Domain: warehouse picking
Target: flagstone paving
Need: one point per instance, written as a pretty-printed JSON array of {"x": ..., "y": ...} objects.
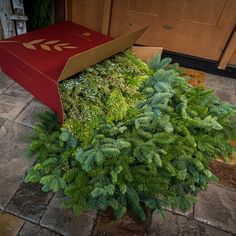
[
  {"x": 13, "y": 163},
  {"x": 29, "y": 202},
  {"x": 217, "y": 207},
  {"x": 30, "y": 229},
  {"x": 9, "y": 225},
  {"x": 65, "y": 221},
  {"x": 27, "y": 211}
]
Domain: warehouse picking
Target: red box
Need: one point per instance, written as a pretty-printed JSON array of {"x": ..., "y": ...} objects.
[{"x": 40, "y": 59}]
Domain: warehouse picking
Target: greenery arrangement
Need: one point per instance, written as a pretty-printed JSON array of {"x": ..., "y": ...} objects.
[
  {"x": 134, "y": 136},
  {"x": 106, "y": 92}
]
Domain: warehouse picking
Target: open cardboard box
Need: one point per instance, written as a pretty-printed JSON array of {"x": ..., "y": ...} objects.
[{"x": 39, "y": 60}]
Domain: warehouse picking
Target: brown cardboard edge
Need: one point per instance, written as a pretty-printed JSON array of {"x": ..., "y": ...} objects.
[
  {"x": 145, "y": 53},
  {"x": 92, "y": 56}
]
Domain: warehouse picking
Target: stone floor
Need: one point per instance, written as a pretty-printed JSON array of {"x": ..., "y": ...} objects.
[{"x": 26, "y": 211}]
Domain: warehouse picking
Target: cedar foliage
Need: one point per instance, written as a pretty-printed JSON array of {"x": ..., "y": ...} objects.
[
  {"x": 157, "y": 157},
  {"x": 107, "y": 91}
]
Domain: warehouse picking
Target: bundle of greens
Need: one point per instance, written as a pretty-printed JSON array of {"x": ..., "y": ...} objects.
[
  {"x": 106, "y": 92},
  {"x": 153, "y": 137}
]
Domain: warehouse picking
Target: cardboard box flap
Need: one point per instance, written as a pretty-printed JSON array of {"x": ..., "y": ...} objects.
[
  {"x": 92, "y": 56},
  {"x": 145, "y": 53}
]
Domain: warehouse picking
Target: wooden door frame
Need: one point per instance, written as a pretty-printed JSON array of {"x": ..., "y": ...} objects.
[
  {"x": 106, "y": 19},
  {"x": 106, "y": 15},
  {"x": 230, "y": 48},
  {"x": 68, "y": 10}
]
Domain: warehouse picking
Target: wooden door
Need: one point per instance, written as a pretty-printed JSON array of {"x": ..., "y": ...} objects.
[
  {"x": 88, "y": 13},
  {"x": 198, "y": 28}
]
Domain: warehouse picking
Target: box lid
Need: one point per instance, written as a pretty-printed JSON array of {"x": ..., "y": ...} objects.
[
  {"x": 39, "y": 59},
  {"x": 48, "y": 49},
  {"x": 64, "y": 49}
]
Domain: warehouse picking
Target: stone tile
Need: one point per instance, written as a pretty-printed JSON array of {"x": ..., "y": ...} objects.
[
  {"x": 9, "y": 225},
  {"x": 226, "y": 95},
  {"x": 65, "y": 221},
  {"x": 15, "y": 90},
  {"x": 179, "y": 212},
  {"x": 217, "y": 207},
  {"x": 181, "y": 226},
  {"x": 129, "y": 224},
  {"x": 11, "y": 106},
  {"x": 5, "y": 82},
  {"x": 2, "y": 121},
  {"x": 220, "y": 82},
  {"x": 13, "y": 164},
  {"x": 30, "y": 229},
  {"x": 28, "y": 115},
  {"x": 29, "y": 202}
]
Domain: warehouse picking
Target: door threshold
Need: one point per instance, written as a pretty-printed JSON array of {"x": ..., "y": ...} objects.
[{"x": 208, "y": 66}]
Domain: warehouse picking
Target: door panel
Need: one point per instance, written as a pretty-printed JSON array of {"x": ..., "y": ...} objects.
[
  {"x": 199, "y": 28},
  {"x": 88, "y": 13},
  {"x": 203, "y": 12}
]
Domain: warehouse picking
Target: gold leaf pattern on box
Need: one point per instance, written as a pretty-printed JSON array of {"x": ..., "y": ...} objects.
[
  {"x": 44, "y": 45},
  {"x": 29, "y": 46}
]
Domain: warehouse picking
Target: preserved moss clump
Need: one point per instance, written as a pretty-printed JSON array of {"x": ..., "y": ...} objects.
[{"x": 153, "y": 139}]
